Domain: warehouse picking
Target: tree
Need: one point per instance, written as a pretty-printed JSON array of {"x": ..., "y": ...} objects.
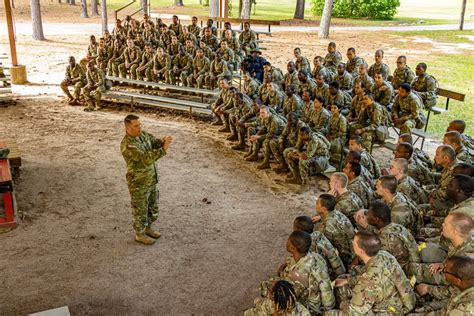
[
  {"x": 178, "y": 3},
  {"x": 214, "y": 8},
  {"x": 299, "y": 10},
  {"x": 94, "y": 9},
  {"x": 103, "y": 13},
  {"x": 245, "y": 12},
  {"x": 84, "y": 9},
  {"x": 463, "y": 12},
  {"x": 71, "y": 2},
  {"x": 144, "y": 5},
  {"x": 326, "y": 19},
  {"x": 36, "y": 20}
]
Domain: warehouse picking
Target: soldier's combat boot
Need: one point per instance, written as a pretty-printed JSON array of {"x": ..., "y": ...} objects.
[
  {"x": 224, "y": 129},
  {"x": 144, "y": 239},
  {"x": 69, "y": 96},
  {"x": 218, "y": 121},
  {"x": 89, "y": 107},
  {"x": 152, "y": 233},
  {"x": 252, "y": 157},
  {"x": 239, "y": 146},
  {"x": 97, "y": 105},
  {"x": 233, "y": 136},
  {"x": 295, "y": 178},
  {"x": 248, "y": 153},
  {"x": 73, "y": 101},
  {"x": 280, "y": 168},
  {"x": 264, "y": 165}
]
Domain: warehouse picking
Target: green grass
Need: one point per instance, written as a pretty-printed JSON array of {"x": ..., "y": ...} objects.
[{"x": 441, "y": 36}]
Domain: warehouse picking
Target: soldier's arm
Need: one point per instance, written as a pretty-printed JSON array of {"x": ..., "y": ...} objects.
[
  {"x": 130, "y": 152},
  {"x": 320, "y": 278},
  {"x": 363, "y": 296},
  {"x": 138, "y": 58},
  {"x": 330, "y": 252},
  {"x": 404, "y": 288}
]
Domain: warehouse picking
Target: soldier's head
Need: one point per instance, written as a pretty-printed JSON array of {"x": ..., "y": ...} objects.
[
  {"x": 199, "y": 53},
  {"x": 189, "y": 43},
  {"x": 271, "y": 86},
  {"x": 160, "y": 51},
  {"x": 366, "y": 245},
  {"x": 246, "y": 26},
  {"x": 224, "y": 45},
  {"x": 355, "y": 143},
  {"x": 458, "y": 271},
  {"x": 174, "y": 40},
  {"x": 464, "y": 168},
  {"x": 297, "y": 53},
  {"x": 290, "y": 90},
  {"x": 405, "y": 138},
  {"x": 453, "y": 139},
  {"x": 224, "y": 83},
  {"x": 305, "y": 132},
  {"x": 175, "y": 19},
  {"x": 445, "y": 154},
  {"x": 207, "y": 32},
  {"x": 128, "y": 18},
  {"x": 291, "y": 67},
  {"x": 118, "y": 23},
  {"x": 386, "y": 186},
  {"x": 264, "y": 112},
  {"x": 209, "y": 23},
  {"x": 401, "y": 62},
  {"x": 227, "y": 26},
  {"x": 307, "y": 95},
  {"x": 246, "y": 76},
  {"x": 403, "y": 150},
  {"x": 457, "y": 227},
  {"x": 351, "y": 53},
  {"x": 333, "y": 87},
  {"x": 379, "y": 214},
  {"x": 336, "y": 108},
  {"x": 194, "y": 20},
  {"x": 398, "y": 168},
  {"x": 302, "y": 76},
  {"x": 363, "y": 69},
  {"x": 91, "y": 65},
  {"x": 456, "y": 125},
  {"x": 368, "y": 100},
  {"x": 164, "y": 28},
  {"x": 331, "y": 47},
  {"x": 420, "y": 69},
  {"x": 318, "y": 61},
  {"x": 72, "y": 61},
  {"x": 267, "y": 66},
  {"x": 130, "y": 43},
  {"x": 319, "y": 102},
  {"x": 319, "y": 79},
  {"x": 106, "y": 34},
  {"x": 325, "y": 204},
  {"x": 378, "y": 56},
  {"x": 378, "y": 78},
  {"x": 341, "y": 67},
  {"x": 283, "y": 296},
  {"x": 132, "y": 125},
  {"x": 219, "y": 56},
  {"x": 359, "y": 88},
  {"x": 338, "y": 182},
  {"x": 353, "y": 156},
  {"x": 352, "y": 170},
  {"x": 145, "y": 17},
  {"x": 256, "y": 104},
  {"x": 460, "y": 188},
  {"x": 92, "y": 39},
  {"x": 404, "y": 90},
  {"x": 292, "y": 118},
  {"x": 303, "y": 223},
  {"x": 299, "y": 242},
  {"x": 148, "y": 47},
  {"x": 202, "y": 44}
]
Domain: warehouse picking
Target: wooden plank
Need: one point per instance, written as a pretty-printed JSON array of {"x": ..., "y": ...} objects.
[
  {"x": 240, "y": 21},
  {"x": 5, "y": 90},
  {"x": 451, "y": 94},
  {"x": 15, "y": 154}
]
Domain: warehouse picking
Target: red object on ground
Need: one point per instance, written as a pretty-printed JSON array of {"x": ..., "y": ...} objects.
[{"x": 7, "y": 198}]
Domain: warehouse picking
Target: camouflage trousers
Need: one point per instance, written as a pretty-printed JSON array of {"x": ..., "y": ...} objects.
[
  {"x": 132, "y": 70},
  {"x": 144, "y": 203},
  {"x": 406, "y": 126},
  {"x": 305, "y": 167},
  {"x": 112, "y": 68},
  {"x": 196, "y": 82},
  {"x": 77, "y": 88},
  {"x": 146, "y": 72},
  {"x": 277, "y": 152},
  {"x": 183, "y": 76},
  {"x": 336, "y": 151}
]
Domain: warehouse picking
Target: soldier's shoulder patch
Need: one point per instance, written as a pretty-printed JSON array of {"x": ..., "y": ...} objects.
[{"x": 131, "y": 146}]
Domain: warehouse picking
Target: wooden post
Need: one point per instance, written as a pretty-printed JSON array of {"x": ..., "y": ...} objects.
[
  {"x": 463, "y": 12},
  {"x": 226, "y": 9},
  {"x": 11, "y": 34}
]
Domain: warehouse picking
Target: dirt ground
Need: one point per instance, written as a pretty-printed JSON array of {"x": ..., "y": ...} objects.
[{"x": 74, "y": 245}]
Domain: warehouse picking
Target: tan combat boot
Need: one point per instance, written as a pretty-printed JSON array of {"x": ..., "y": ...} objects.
[
  {"x": 264, "y": 165},
  {"x": 97, "y": 105},
  {"x": 152, "y": 233},
  {"x": 144, "y": 239},
  {"x": 89, "y": 107}
]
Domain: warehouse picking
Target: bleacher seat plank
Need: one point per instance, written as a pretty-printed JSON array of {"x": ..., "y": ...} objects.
[
  {"x": 15, "y": 154},
  {"x": 451, "y": 94},
  {"x": 164, "y": 99}
]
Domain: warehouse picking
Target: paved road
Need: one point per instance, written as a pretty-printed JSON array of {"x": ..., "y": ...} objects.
[{"x": 24, "y": 28}]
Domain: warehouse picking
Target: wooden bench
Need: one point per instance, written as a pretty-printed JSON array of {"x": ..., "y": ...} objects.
[
  {"x": 419, "y": 133},
  {"x": 448, "y": 94},
  {"x": 15, "y": 155}
]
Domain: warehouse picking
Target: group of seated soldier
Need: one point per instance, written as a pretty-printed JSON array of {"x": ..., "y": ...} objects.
[
  {"x": 398, "y": 240},
  {"x": 156, "y": 52}
]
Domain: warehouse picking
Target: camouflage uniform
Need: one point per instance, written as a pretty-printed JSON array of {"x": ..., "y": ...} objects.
[
  {"x": 462, "y": 303},
  {"x": 381, "y": 289},
  {"x": 140, "y": 154},
  {"x": 354, "y": 111},
  {"x": 264, "y": 306},
  {"x": 337, "y": 130},
  {"x": 250, "y": 88},
  {"x": 191, "y": 50},
  {"x": 366, "y": 81},
  {"x": 319, "y": 120},
  {"x": 321, "y": 90},
  {"x": 162, "y": 65},
  {"x": 383, "y": 68},
  {"x": 195, "y": 30},
  {"x": 277, "y": 75},
  {"x": 352, "y": 66},
  {"x": 292, "y": 104},
  {"x": 173, "y": 49},
  {"x": 165, "y": 37},
  {"x": 383, "y": 95},
  {"x": 189, "y": 36},
  {"x": 321, "y": 245},
  {"x": 441, "y": 201},
  {"x": 425, "y": 87},
  {"x": 211, "y": 41},
  {"x": 290, "y": 79},
  {"x": 116, "y": 58},
  {"x": 368, "y": 161},
  {"x": 349, "y": 203},
  {"x": 264, "y": 94},
  {"x": 233, "y": 43},
  {"x": 373, "y": 121},
  {"x": 340, "y": 232},
  {"x": 465, "y": 155},
  {"x": 409, "y": 111},
  {"x": 402, "y": 76},
  {"x": 176, "y": 28},
  {"x": 217, "y": 69},
  {"x": 332, "y": 60},
  {"x": 75, "y": 76},
  {"x": 402, "y": 212},
  {"x": 200, "y": 69},
  {"x": 240, "y": 112},
  {"x": 309, "y": 85},
  {"x": 306, "y": 111},
  {"x": 94, "y": 87},
  {"x": 185, "y": 64},
  {"x": 322, "y": 70},
  {"x": 248, "y": 41},
  {"x": 410, "y": 188},
  {"x": 103, "y": 55},
  {"x": 288, "y": 138},
  {"x": 419, "y": 172},
  {"x": 345, "y": 81},
  {"x": 303, "y": 64},
  {"x": 147, "y": 62},
  {"x": 270, "y": 129},
  {"x": 341, "y": 97},
  {"x": 364, "y": 191},
  {"x": 229, "y": 56},
  {"x": 133, "y": 58},
  {"x": 465, "y": 207},
  {"x": 275, "y": 100}
]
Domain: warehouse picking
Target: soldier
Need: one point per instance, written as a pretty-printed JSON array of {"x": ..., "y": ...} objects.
[
  {"x": 460, "y": 126},
  {"x": 227, "y": 27},
  {"x": 357, "y": 185},
  {"x": 233, "y": 43},
  {"x": 335, "y": 95},
  {"x": 337, "y": 130},
  {"x": 401, "y": 207},
  {"x": 274, "y": 98},
  {"x": 161, "y": 66},
  {"x": 130, "y": 58},
  {"x": 119, "y": 33},
  {"x": 416, "y": 169},
  {"x": 366, "y": 159},
  {"x": 319, "y": 118},
  {"x": 382, "y": 91},
  {"x": 222, "y": 100},
  {"x": 307, "y": 110},
  {"x": 146, "y": 65},
  {"x": 333, "y": 58},
  {"x": 186, "y": 35},
  {"x": 74, "y": 76},
  {"x": 182, "y": 67},
  {"x": 149, "y": 34},
  {"x": 250, "y": 86},
  {"x": 166, "y": 35},
  {"x": 207, "y": 50},
  {"x": 174, "y": 47},
  {"x": 356, "y": 107},
  {"x": 379, "y": 66},
  {"x": 277, "y": 75},
  {"x": 103, "y": 54},
  {"x": 306, "y": 83},
  {"x": 363, "y": 77},
  {"x": 322, "y": 88},
  {"x": 382, "y": 287},
  {"x": 406, "y": 184},
  {"x": 194, "y": 27},
  {"x": 227, "y": 109},
  {"x": 320, "y": 69},
  {"x": 309, "y": 156},
  {"x": 116, "y": 58},
  {"x": 210, "y": 39},
  {"x": 460, "y": 191},
  {"x": 175, "y": 26},
  {"x": 402, "y": 73},
  {"x": 347, "y": 202},
  {"x": 291, "y": 77},
  {"x": 95, "y": 86},
  {"x": 458, "y": 272},
  {"x": 407, "y": 110},
  {"x": 454, "y": 140},
  {"x": 248, "y": 124},
  {"x": 365, "y": 174},
  {"x": 321, "y": 245},
  {"x": 287, "y": 139},
  {"x": 248, "y": 39},
  {"x": 201, "y": 66},
  {"x": 211, "y": 27},
  {"x": 228, "y": 56},
  {"x": 91, "y": 51},
  {"x": 190, "y": 48},
  {"x": 335, "y": 226},
  {"x": 293, "y": 102},
  {"x": 243, "y": 107},
  {"x": 218, "y": 69},
  {"x": 425, "y": 86},
  {"x": 353, "y": 62},
  {"x": 344, "y": 78},
  {"x": 140, "y": 151},
  {"x": 418, "y": 154},
  {"x": 301, "y": 63}
]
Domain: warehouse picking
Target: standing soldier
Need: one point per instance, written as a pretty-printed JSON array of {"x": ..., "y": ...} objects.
[
  {"x": 74, "y": 76},
  {"x": 131, "y": 59},
  {"x": 248, "y": 39},
  {"x": 146, "y": 66},
  {"x": 140, "y": 151},
  {"x": 95, "y": 86},
  {"x": 201, "y": 65}
]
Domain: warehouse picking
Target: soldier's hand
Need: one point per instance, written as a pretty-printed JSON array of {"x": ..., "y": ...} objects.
[
  {"x": 361, "y": 218},
  {"x": 436, "y": 268},
  {"x": 422, "y": 289},
  {"x": 303, "y": 156},
  {"x": 316, "y": 218},
  {"x": 281, "y": 268},
  {"x": 167, "y": 140},
  {"x": 340, "y": 282}
]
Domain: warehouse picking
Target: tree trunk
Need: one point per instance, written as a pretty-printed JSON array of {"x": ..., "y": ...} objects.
[
  {"x": 178, "y": 3},
  {"x": 72, "y": 2},
  {"x": 144, "y": 5},
  {"x": 84, "y": 9},
  {"x": 463, "y": 12},
  {"x": 103, "y": 13},
  {"x": 245, "y": 13},
  {"x": 299, "y": 10},
  {"x": 94, "y": 9},
  {"x": 214, "y": 8},
  {"x": 36, "y": 20},
  {"x": 326, "y": 19}
]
